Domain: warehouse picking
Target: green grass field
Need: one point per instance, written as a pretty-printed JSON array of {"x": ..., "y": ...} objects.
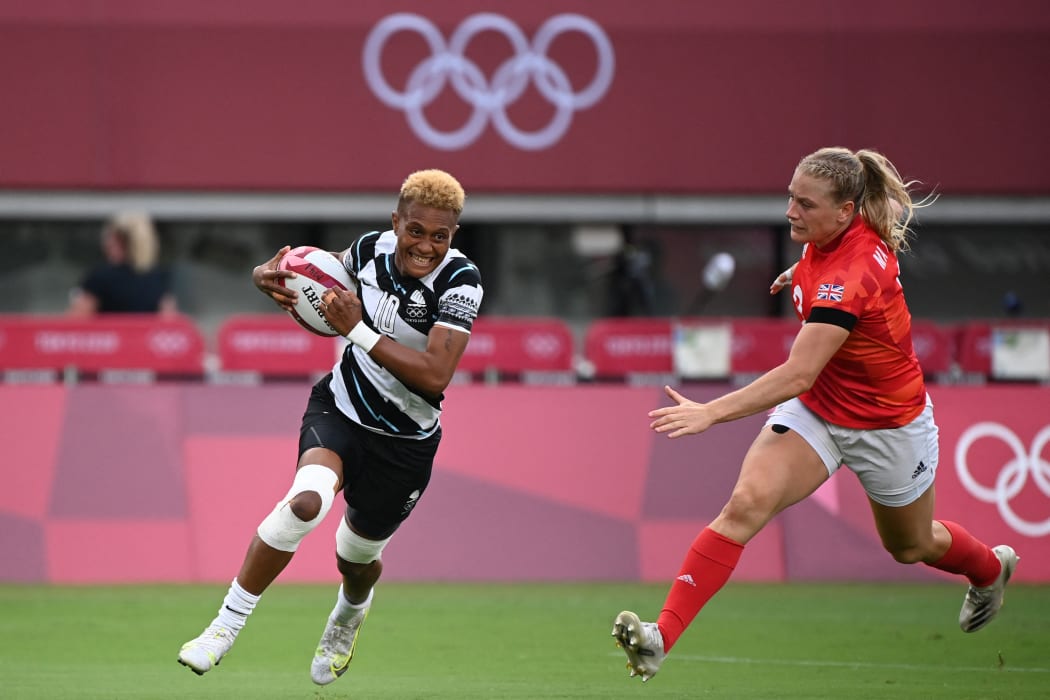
[{"x": 534, "y": 641}]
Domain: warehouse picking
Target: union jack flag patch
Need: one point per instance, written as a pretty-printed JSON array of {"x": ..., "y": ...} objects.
[{"x": 831, "y": 292}]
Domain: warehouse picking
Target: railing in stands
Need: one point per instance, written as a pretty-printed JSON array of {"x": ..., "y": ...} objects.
[
  {"x": 537, "y": 350},
  {"x": 271, "y": 346},
  {"x": 125, "y": 346}
]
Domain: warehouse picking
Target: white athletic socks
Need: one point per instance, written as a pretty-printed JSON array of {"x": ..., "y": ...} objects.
[
  {"x": 236, "y": 607},
  {"x": 344, "y": 609}
]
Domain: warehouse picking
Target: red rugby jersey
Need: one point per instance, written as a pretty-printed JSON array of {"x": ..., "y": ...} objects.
[{"x": 874, "y": 380}]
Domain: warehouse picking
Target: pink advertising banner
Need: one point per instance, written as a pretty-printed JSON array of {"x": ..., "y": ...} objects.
[
  {"x": 530, "y": 483},
  {"x": 570, "y": 96},
  {"x": 172, "y": 345}
]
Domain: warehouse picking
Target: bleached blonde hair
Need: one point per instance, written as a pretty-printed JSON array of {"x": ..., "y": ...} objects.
[{"x": 432, "y": 188}]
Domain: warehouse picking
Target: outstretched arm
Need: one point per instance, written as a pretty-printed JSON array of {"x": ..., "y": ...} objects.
[{"x": 815, "y": 344}]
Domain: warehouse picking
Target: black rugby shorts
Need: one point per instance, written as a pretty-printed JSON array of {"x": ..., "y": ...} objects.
[{"x": 383, "y": 476}]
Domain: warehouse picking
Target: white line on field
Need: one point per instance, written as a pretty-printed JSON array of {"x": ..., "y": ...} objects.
[{"x": 854, "y": 664}]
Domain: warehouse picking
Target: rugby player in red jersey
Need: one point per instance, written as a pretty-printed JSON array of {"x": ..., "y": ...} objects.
[{"x": 850, "y": 393}]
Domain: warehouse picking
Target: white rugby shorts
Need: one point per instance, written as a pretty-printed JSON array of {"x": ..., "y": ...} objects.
[{"x": 895, "y": 465}]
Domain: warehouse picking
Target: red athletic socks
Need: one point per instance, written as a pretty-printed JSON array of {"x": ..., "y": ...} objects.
[
  {"x": 712, "y": 557},
  {"x": 707, "y": 566},
  {"x": 968, "y": 556}
]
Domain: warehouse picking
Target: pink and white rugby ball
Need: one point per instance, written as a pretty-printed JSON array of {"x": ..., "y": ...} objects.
[{"x": 316, "y": 270}]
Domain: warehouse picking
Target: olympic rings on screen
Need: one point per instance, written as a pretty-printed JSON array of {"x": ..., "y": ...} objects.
[
  {"x": 448, "y": 64},
  {"x": 1012, "y": 478}
]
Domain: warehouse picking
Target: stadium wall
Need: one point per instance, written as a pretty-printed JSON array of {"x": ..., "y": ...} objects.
[
  {"x": 663, "y": 96},
  {"x": 105, "y": 483}
]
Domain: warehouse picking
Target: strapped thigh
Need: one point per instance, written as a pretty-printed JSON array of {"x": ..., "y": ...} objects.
[{"x": 794, "y": 415}]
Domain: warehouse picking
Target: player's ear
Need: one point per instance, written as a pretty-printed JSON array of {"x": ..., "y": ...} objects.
[
  {"x": 393, "y": 220},
  {"x": 846, "y": 212}
]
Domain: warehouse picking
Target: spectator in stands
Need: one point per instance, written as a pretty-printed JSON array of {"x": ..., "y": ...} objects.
[
  {"x": 851, "y": 392},
  {"x": 632, "y": 287},
  {"x": 130, "y": 280},
  {"x": 372, "y": 426}
]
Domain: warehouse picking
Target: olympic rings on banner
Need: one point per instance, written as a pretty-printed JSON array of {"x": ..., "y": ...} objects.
[
  {"x": 1014, "y": 474},
  {"x": 448, "y": 64}
]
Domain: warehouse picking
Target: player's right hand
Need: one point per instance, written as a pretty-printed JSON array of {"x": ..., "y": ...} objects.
[
  {"x": 266, "y": 278},
  {"x": 684, "y": 418}
]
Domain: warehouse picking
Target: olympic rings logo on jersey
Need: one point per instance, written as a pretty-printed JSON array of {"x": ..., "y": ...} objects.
[
  {"x": 490, "y": 99},
  {"x": 1012, "y": 478},
  {"x": 416, "y": 311}
]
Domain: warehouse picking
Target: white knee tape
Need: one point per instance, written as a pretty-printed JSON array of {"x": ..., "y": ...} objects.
[
  {"x": 355, "y": 549},
  {"x": 281, "y": 529}
]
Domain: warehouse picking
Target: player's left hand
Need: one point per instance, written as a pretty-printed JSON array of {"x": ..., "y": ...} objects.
[
  {"x": 685, "y": 418},
  {"x": 342, "y": 308},
  {"x": 782, "y": 280}
]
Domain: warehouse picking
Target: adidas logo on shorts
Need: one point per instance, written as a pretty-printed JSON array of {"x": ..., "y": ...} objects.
[{"x": 410, "y": 503}]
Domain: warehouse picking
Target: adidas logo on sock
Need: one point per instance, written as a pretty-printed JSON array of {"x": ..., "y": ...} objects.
[{"x": 686, "y": 578}]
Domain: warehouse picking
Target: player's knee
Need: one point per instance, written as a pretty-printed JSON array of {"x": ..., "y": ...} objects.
[
  {"x": 905, "y": 554},
  {"x": 355, "y": 549},
  {"x": 355, "y": 570},
  {"x": 746, "y": 507},
  {"x": 306, "y": 505},
  {"x": 302, "y": 508}
]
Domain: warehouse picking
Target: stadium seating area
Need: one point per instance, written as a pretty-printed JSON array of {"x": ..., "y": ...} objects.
[{"x": 536, "y": 350}]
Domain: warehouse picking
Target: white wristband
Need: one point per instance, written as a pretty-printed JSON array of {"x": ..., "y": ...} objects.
[{"x": 363, "y": 337}]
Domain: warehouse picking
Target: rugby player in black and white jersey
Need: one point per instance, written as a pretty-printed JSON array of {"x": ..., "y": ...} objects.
[{"x": 372, "y": 426}]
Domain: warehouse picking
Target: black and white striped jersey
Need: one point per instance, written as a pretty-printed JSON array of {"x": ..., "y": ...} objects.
[{"x": 405, "y": 309}]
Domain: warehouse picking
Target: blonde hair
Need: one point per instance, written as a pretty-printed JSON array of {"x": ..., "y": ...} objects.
[
  {"x": 432, "y": 188},
  {"x": 135, "y": 230},
  {"x": 872, "y": 183}
]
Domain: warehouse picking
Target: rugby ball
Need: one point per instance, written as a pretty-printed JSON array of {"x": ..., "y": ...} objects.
[{"x": 316, "y": 271}]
